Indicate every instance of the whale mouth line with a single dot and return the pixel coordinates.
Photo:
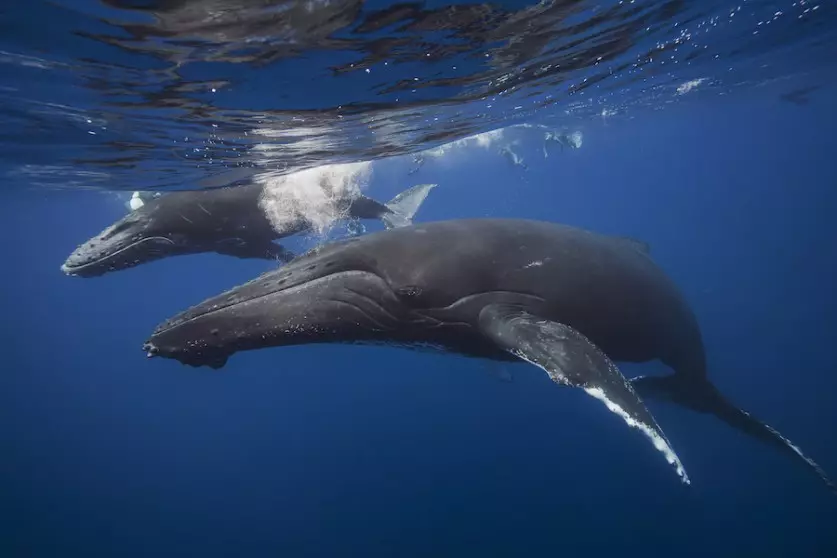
(175, 322)
(69, 268)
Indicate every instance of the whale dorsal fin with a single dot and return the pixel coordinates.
(571, 359)
(640, 245)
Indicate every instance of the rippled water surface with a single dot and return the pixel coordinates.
(156, 94)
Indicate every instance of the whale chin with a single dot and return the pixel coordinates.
(95, 259)
(271, 311)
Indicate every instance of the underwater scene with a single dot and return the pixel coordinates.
(333, 278)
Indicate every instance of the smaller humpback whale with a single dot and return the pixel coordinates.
(229, 221)
(512, 157)
(569, 301)
(801, 96)
(418, 161)
(562, 139)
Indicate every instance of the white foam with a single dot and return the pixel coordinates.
(687, 86)
(312, 194)
(484, 140)
(296, 139)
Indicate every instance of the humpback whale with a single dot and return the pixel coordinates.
(568, 300)
(562, 139)
(229, 221)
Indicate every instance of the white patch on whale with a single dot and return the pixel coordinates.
(687, 86)
(135, 202)
(659, 442)
(312, 195)
(484, 140)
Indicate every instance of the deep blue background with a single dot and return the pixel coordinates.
(366, 451)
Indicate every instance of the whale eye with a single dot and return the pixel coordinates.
(409, 291)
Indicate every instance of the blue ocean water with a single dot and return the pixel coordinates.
(377, 451)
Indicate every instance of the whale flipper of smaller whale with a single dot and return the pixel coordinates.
(253, 249)
(799, 96)
(703, 397)
(570, 359)
(512, 157)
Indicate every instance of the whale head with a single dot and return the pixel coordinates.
(311, 301)
(135, 239)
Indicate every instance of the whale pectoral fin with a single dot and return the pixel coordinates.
(573, 360)
(246, 249)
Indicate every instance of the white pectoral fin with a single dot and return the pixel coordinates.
(570, 359)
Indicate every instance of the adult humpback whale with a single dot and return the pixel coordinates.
(565, 299)
(229, 221)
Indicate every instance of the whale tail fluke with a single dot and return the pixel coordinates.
(703, 397)
(405, 205)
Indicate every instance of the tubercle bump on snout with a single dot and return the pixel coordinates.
(267, 284)
(199, 343)
(150, 349)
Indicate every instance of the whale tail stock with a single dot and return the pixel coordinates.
(702, 396)
(403, 207)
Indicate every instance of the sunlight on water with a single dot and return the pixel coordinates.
(192, 94)
(485, 140)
